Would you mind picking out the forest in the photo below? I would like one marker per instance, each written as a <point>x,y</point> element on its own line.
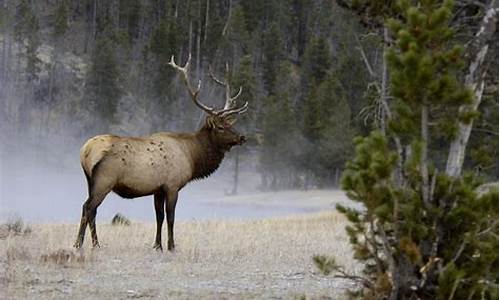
<point>395,102</point>
<point>314,76</point>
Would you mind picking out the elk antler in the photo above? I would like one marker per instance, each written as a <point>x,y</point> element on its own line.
<point>194,93</point>
<point>229,108</point>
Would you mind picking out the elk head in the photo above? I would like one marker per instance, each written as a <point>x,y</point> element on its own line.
<point>219,122</point>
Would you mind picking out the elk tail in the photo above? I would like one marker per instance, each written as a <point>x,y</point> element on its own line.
<point>89,180</point>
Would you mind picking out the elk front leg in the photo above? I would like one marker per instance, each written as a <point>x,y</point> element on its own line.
<point>171,202</point>
<point>159,199</point>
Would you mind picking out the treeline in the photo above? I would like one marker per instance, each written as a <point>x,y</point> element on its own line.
<point>76,68</point>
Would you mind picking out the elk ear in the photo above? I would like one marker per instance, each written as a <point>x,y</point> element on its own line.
<point>210,122</point>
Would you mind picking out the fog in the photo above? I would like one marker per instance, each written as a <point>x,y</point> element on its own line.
<point>40,193</point>
<point>59,87</point>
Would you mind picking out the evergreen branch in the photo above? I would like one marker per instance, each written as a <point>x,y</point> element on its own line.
<point>426,268</point>
<point>471,2</point>
<point>344,275</point>
<point>343,4</point>
<point>454,288</point>
<point>488,230</point>
<point>455,257</point>
<point>488,131</point>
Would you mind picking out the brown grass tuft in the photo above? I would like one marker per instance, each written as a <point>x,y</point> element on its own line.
<point>17,253</point>
<point>120,219</point>
<point>62,257</point>
<point>14,227</point>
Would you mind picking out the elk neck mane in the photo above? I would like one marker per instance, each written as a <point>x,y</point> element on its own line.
<point>206,155</point>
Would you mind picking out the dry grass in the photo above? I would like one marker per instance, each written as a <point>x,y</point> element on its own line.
<point>214,259</point>
<point>14,227</point>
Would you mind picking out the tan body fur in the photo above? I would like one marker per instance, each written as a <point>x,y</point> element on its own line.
<point>140,166</point>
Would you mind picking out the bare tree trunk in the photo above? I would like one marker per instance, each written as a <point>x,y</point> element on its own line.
<point>94,20</point>
<point>176,13</point>
<point>207,16</point>
<point>383,84</point>
<point>386,114</point>
<point>236,172</point>
<point>424,171</point>
<point>336,177</point>
<point>228,19</point>
<point>3,73</point>
<point>475,81</point>
<point>198,42</point>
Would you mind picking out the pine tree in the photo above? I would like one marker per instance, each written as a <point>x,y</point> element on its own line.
<point>237,37</point>
<point>252,11</point>
<point>317,62</point>
<point>129,18</point>
<point>61,25</point>
<point>279,150</point>
<point>164,43</point>
<point>327,118</point>
<point>102,89</point>
<point>26,32</point>
<point>273,54</point>
<point>245,78</point>
<point>424,234</point>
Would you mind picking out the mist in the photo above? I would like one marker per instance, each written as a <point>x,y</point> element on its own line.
<point>71,71</point>
<point>40,192</point>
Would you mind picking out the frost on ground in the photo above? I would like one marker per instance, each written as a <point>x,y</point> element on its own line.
<point>269,258</point>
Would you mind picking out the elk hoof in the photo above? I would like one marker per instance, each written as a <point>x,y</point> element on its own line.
<point>158,247</point>
<point>96,245</point>
<point>77,245</point>
<point>171,248</point>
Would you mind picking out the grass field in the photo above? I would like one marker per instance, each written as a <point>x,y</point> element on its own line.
<point>252,259</point>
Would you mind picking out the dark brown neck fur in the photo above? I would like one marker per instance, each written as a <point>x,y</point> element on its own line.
<point>207,155</point>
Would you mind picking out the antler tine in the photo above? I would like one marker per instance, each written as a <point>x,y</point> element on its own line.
<point>193,93</point>
<point>184,69</point>
<point>238,110</point>
<point>230,101</point>
<point>217,80</point>
<point>237,94</point>
<point>225,84</point>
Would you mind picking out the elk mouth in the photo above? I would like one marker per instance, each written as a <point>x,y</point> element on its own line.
<point>239,141</point>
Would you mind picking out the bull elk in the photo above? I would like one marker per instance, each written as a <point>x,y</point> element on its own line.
<point>160,164</point>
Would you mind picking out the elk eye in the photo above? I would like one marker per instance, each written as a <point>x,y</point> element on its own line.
<point>220,128</point>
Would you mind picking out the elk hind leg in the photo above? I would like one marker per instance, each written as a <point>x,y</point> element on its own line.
<point>92,212</point>
<point>98,189</point>
<point>83,224</point>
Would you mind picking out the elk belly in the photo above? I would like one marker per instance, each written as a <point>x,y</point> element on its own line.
<point>139,178</point>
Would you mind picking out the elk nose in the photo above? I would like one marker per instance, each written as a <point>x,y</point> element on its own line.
<point>242,139</point>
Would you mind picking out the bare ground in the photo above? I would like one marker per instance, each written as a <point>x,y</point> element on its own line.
<point>258,259</point>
